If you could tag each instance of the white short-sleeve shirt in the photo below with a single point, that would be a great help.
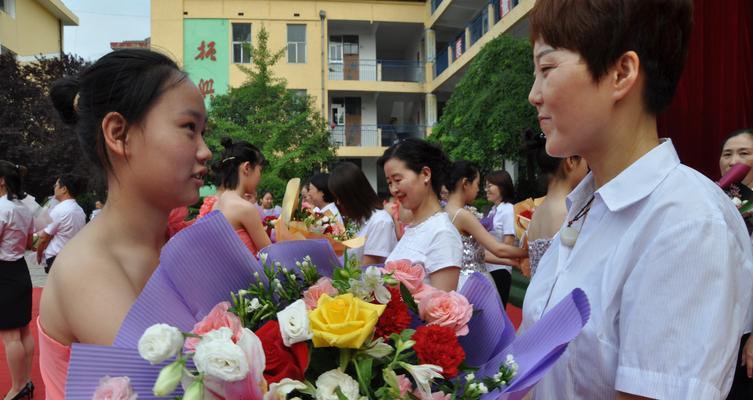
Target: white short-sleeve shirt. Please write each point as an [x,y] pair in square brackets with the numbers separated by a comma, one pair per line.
[16,224]
[435,242]
[666,263]
[503,224]
[67,219]
[379,231]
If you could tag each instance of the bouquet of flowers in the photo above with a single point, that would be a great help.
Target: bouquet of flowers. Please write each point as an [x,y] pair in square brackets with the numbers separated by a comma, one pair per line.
[269,224]
[305,223]
[253,330]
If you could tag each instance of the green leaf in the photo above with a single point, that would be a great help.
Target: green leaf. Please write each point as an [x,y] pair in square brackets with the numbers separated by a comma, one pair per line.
[364,372]
[408,298]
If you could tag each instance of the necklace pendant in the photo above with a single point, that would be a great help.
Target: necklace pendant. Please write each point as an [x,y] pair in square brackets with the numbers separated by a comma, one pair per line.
[568,236]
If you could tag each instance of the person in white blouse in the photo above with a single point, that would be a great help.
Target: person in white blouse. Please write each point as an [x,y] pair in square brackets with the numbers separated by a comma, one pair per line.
[16,229]
[359,202]
[660,251]
[415,171]
[320,196]
[500,191]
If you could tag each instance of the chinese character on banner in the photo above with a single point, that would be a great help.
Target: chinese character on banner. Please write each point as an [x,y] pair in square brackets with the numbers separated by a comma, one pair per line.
[504,7]
[206,87]
[459,47]
[206,51]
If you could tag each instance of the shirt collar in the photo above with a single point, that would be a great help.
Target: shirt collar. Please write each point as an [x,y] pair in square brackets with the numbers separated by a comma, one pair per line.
[632,184]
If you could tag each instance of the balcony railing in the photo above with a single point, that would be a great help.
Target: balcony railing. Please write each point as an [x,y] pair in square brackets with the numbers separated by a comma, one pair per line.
[441,64]
[374,135]
[377,70]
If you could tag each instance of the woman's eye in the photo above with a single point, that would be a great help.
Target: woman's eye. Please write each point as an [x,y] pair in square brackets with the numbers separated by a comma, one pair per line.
[190,126]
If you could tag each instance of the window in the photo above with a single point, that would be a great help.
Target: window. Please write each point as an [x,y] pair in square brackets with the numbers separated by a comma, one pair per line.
[297,44]
[241,43]
[8,7]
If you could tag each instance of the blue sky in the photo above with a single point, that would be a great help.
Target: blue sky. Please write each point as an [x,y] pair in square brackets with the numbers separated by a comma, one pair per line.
[105,21]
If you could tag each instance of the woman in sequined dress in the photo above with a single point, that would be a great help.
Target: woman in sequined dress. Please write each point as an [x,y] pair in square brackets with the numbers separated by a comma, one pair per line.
[463,184]
[563,175]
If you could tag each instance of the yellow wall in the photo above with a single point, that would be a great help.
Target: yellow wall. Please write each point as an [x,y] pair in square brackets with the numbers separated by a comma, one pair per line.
[275,15]
[33,30]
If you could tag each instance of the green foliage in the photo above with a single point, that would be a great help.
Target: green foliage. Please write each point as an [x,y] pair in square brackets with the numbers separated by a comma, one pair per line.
[286,127]
[488,112]
[31,134]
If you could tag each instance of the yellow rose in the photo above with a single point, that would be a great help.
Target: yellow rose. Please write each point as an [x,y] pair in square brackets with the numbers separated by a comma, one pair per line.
[343,321]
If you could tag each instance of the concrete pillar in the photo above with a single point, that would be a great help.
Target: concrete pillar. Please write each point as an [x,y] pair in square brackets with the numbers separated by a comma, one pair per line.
[431,109]
[430,40]
[467,38]
[490,14]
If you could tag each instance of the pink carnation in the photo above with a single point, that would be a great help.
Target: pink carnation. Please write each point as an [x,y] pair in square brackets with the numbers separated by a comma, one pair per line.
[322,286]
[217,318]
[404,384]
[446,309]
[116,388]
[409,274]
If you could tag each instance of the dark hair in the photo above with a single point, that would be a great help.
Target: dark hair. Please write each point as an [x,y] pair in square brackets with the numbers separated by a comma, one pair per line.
[738,132]
[461,169]
[70,182]
[356,198]
[235,154]
[264,193]
[13,175]
[321,182]
[603,30]
[127,81]
[418,153]
[503,180]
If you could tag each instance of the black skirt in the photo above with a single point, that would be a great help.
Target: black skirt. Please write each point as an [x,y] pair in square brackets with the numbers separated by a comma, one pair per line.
[15,294]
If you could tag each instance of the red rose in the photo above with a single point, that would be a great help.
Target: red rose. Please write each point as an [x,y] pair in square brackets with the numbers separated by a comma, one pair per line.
[282,361]
[439,345]
[395,317]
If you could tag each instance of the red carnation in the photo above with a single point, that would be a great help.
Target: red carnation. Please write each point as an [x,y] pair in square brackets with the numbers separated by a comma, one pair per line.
[395,317]
[439,345]
[282,361]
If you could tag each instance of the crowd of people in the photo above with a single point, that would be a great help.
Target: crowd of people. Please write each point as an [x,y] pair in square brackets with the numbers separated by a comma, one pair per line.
[661,252]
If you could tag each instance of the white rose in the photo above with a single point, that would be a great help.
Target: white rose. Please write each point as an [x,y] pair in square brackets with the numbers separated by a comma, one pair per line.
[294,323]
[219,357]
[159,343]
[328,382]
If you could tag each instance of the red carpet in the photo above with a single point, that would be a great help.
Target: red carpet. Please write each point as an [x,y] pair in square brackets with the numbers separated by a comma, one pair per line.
[512,311]
[5,383]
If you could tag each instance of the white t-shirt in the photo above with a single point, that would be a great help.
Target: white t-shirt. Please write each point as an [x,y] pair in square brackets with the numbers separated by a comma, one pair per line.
[16,224]
[666,263]
[504,224]
[435,242]
[67,219]
[331,207]
[379,231]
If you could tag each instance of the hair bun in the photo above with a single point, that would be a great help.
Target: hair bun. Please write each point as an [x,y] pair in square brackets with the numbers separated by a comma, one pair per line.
[226,142]
[63,94]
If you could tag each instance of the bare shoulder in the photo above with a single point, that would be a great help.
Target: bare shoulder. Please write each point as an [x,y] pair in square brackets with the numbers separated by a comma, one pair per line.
[87,293]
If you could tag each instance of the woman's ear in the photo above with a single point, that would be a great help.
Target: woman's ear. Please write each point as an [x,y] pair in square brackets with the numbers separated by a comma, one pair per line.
[426,175]
[624,74]
[114,131]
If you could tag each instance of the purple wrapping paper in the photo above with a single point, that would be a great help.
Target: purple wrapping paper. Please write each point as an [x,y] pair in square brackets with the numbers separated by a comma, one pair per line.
[199,267]
[288,252]
[490,328]
[89,363]
[734,175]
[539,348]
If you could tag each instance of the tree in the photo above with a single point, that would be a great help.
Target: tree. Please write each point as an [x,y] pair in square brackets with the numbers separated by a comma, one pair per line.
[31,134]
[284,125]
[488,112]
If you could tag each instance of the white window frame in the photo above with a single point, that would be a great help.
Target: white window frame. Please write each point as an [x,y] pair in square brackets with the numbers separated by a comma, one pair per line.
[241,43]
[297,45]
